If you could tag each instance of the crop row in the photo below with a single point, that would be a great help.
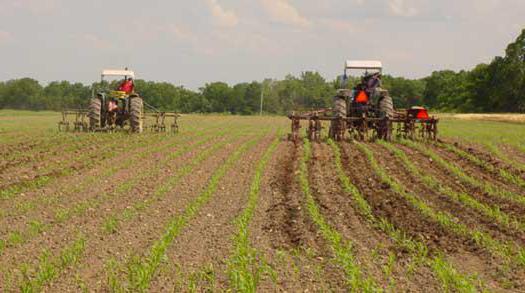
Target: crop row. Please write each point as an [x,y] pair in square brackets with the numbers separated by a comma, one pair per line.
[504,174]
[59,269]
[110,168]
[450,279]
[35,227]
[509,252]
[142,270]
[244,269]
[67,167]
[342,249]
[487,187]
[492,212]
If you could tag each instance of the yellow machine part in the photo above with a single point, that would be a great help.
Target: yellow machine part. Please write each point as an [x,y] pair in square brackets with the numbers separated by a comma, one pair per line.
[118,94]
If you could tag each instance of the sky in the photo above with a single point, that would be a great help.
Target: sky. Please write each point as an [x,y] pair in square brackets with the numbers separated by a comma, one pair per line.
[191,43]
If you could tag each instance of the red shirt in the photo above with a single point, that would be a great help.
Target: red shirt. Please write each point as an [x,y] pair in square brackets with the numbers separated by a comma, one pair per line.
[126,86]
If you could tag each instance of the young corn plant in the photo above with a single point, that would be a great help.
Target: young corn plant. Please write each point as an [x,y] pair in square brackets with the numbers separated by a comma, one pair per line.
[492,212]
[110,225]
[141,271]
[418,250]
[504,174]
[343,250]
[487,187]
[49,268]
[164,188]
[244,269]
[509,252]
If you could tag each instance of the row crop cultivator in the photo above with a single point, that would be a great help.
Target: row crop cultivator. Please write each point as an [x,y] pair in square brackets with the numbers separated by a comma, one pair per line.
[110,110]
[365,113]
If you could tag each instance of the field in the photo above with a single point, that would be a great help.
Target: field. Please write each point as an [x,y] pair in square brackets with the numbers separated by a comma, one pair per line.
[228,204]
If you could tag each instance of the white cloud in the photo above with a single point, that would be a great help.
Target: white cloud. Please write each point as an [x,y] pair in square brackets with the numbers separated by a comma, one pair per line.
[402,8]
[284,12]
[223,17]
[5,37]
[37,7]
[96,42]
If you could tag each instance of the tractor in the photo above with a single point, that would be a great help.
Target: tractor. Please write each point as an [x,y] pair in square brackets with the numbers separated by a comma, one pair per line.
[110,109]
[365,112]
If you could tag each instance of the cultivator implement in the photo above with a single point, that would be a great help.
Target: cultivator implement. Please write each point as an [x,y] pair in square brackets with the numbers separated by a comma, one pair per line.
[365,112]
[405,124]
[156,121]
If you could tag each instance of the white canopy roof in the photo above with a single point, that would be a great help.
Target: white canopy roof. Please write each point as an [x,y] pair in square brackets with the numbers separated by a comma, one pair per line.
[117,72]
[363,64]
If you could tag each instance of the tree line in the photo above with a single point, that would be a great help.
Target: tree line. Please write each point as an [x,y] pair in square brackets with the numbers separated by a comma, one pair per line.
[495,87]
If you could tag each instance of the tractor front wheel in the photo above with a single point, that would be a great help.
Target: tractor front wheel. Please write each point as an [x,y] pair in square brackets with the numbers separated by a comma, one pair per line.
[136,113]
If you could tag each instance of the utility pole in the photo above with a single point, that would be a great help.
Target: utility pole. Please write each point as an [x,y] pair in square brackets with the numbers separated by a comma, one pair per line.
[262,99]
[262,96]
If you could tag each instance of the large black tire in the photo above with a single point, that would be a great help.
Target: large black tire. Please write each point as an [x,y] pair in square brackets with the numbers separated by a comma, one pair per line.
[339,107]
[386,106]
[136,112]
[386,109]
[95,113]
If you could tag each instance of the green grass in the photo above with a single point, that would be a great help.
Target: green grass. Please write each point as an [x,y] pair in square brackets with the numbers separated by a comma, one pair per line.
[451,280]
[245,268]
[490,134]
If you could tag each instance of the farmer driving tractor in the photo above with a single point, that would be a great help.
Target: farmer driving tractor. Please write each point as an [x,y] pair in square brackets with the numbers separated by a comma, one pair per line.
[127,86]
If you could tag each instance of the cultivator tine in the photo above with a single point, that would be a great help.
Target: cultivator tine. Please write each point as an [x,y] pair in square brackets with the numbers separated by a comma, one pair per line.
[160,122]
[79,123]
[296,126]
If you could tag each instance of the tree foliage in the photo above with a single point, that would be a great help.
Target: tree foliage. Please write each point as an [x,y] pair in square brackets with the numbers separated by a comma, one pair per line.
[495,87]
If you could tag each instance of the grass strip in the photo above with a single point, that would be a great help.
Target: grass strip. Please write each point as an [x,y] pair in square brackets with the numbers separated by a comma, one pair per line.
[486,187]
[49,269]
[509,252]
[244,269]
[451,279]
[141,271]
[343,250]
[492,212]
[504,174]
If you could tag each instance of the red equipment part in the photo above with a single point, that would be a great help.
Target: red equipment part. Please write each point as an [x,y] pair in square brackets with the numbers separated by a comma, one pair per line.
[362,98]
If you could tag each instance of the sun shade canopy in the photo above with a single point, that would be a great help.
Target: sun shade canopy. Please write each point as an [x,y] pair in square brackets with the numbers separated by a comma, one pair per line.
[116,72]
[364,64]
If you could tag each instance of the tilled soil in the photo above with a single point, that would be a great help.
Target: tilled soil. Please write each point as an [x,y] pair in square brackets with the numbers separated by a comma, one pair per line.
[463,253]
[290,251]
[135,236]
[371,247]
[284,235]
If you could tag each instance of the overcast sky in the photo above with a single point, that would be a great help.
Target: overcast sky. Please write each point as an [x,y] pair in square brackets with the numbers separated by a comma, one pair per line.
[193,42]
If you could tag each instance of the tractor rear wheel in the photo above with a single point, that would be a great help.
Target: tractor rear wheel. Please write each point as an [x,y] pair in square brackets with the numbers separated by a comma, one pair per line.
[386,110]
[136,111]
[95,113]
[386,107]
[339,107]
